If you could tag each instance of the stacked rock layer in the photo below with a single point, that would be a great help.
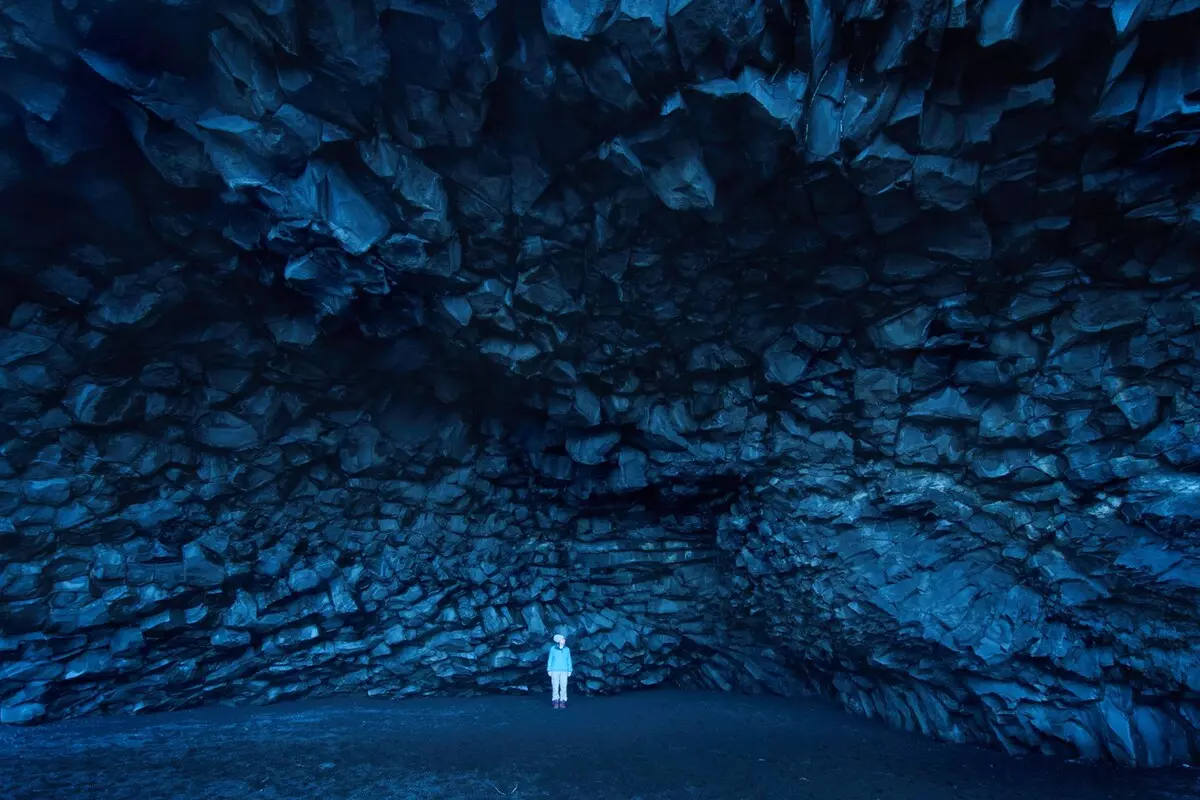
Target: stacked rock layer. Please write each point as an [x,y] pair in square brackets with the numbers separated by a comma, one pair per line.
[840,346]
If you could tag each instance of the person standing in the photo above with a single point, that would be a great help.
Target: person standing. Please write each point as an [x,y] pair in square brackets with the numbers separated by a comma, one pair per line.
[558,666]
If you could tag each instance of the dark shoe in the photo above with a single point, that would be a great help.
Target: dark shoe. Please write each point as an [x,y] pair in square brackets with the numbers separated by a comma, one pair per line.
[562,704]
[558,704]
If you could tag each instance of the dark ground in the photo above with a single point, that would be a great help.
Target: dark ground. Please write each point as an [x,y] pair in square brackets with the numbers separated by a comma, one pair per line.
[650,745]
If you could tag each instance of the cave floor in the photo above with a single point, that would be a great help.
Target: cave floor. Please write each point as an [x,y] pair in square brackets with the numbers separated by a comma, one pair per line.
[653,744]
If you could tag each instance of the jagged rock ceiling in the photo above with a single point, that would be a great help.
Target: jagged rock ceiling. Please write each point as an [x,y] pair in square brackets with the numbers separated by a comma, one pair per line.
[839,346]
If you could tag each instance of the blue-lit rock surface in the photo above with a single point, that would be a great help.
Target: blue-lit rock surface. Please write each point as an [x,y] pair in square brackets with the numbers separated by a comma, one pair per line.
[355,347]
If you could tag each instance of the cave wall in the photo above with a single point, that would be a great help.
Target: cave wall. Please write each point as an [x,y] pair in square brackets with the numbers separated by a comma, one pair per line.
[839,347]
[238,524]
[1005,550]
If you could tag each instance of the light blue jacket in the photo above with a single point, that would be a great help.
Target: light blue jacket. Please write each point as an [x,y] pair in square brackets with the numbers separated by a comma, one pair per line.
[560,659]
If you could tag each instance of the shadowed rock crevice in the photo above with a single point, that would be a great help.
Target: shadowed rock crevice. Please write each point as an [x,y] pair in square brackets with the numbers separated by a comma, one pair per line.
[834,347]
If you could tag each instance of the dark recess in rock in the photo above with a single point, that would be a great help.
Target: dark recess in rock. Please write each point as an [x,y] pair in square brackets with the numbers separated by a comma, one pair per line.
[846,348]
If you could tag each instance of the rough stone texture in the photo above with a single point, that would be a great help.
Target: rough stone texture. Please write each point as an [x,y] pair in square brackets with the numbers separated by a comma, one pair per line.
[840,347]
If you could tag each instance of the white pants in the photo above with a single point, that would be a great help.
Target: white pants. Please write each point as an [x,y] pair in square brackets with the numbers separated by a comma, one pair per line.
[558,685]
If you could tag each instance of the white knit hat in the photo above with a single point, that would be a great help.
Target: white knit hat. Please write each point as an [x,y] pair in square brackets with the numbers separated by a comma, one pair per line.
[558,637]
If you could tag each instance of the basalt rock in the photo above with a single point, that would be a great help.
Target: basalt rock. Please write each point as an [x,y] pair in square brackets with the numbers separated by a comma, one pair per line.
[836,347]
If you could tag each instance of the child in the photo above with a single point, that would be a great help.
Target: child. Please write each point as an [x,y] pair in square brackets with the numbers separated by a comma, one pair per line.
[558,665]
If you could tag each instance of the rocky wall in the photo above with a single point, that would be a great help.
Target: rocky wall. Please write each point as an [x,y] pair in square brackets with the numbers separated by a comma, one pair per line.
[999,546]
[846,347]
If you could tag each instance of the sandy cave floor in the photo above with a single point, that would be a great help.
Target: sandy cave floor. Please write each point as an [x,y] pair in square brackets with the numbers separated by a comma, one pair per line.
[652,745]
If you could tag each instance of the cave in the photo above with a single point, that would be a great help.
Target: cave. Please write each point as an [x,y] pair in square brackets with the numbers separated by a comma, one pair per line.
[838,349]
